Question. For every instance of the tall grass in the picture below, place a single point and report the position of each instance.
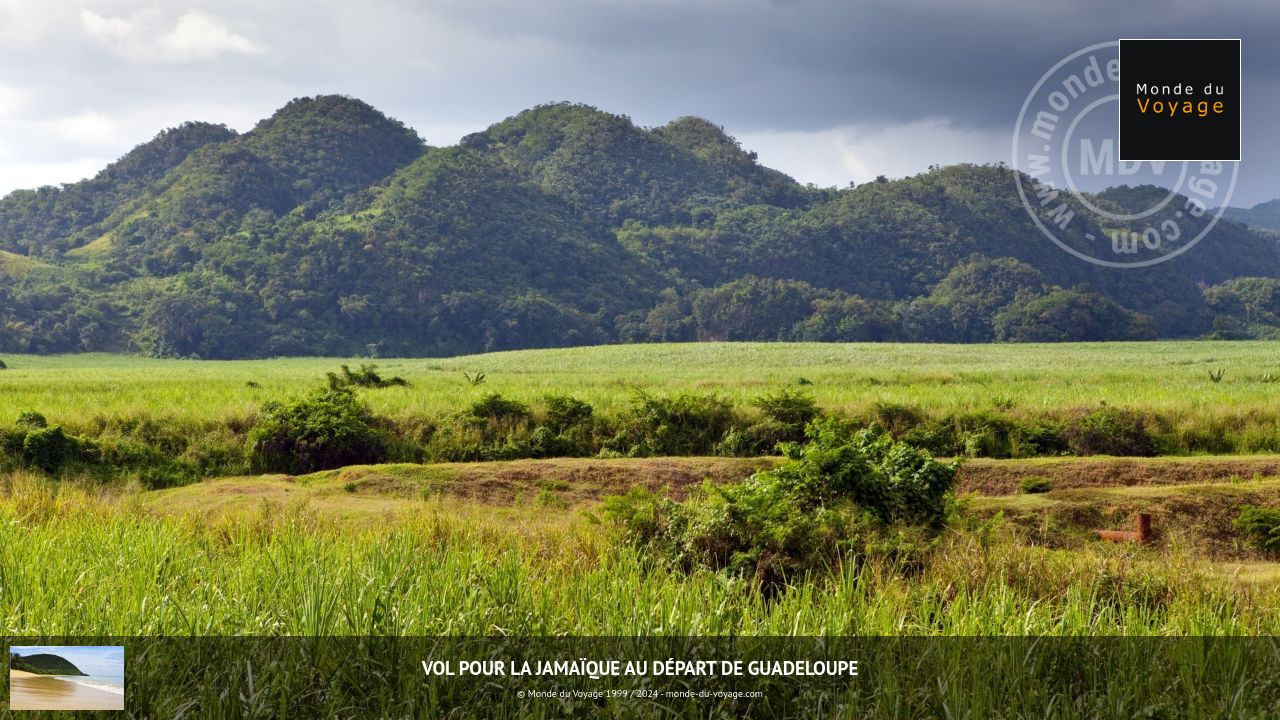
(75, 562)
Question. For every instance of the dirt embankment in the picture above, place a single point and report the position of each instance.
(1001, 477)
(577, 480)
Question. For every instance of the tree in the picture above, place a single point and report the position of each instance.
(1071, 315)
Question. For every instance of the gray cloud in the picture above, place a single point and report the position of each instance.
(832, 79)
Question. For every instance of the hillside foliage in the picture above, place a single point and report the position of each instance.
(331, 229)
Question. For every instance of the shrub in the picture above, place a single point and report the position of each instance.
(1109, 431)
(11, 446)
(760, 438)
(3, 366)
(366, 377)
(788, 406)
(837, 493)
(544, 442)
(1260, 527)
(32, 420)
(328, 429)
(684, 424)
(898, 417)
(1043, 436)
(985, 434)
(1035, 484)
(49, 448)
(495, 407)
(785, 415)
(565, 413)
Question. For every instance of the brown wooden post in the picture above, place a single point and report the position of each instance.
(1144, 528)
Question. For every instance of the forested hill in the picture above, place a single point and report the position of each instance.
(332, 229)
(43, 664)
(1263, 215)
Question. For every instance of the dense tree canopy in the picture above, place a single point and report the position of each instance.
(332, 229)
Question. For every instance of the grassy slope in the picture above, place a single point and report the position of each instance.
(17, 265)
(586, 480)
(361, 490)
(1193, 502)
(307, 556)
(1167, 376)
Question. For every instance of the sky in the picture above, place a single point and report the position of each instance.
(829, 91)
(90, 659)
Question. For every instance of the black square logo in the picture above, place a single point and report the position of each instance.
(1179, 100)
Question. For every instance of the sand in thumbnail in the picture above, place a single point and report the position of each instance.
(29, 691)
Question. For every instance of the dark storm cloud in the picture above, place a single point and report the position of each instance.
(810, 65)
(89, 79)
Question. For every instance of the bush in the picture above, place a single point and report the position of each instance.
(328, 429)
(838, 493)
(495, 407)
(898, 417)
(366, 377)
(684, 424)
(786, 413)
(985, 434)
(789, 407)
(32, 420)
(50, 448)
(1035, 484)
(565, 413)
(1260, 527)
(3, 366)
(11, 446)
(761, 438)
(33, 443)
(1043, 436)
(1109, 431)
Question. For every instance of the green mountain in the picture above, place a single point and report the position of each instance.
(331, 229)
(43, 664)
(1263, 215)
(31, 220)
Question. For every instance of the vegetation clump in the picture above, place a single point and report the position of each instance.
(1110, 431)
(841, 492)
(31, 420)
(1261, 527)
(1035, 484)
(37, 444)
(497, 408)
(366, 377)
(324, 430)
(684, 424)
(784, 415)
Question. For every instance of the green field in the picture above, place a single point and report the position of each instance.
(1165, 376)
(174, 421)
(1170, 377)
(520, 547)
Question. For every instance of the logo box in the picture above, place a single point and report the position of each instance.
(1180, 100)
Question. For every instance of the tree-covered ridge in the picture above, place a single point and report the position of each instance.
(1263, 215)
(43, 664)
(331, 229)
(610, 169)
(31, 220)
